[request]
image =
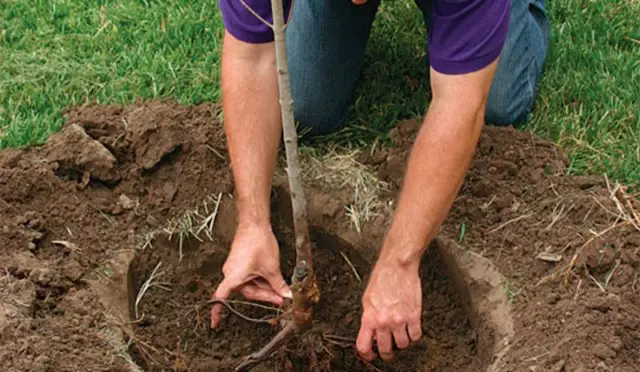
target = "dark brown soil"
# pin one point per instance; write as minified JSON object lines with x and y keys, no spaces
{"x":519,"y":209}
{"x":176,"y":321}
{"x":69,"y":209}
{"x":111,"y":175}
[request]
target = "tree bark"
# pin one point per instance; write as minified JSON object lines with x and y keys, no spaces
{"x":298,"y":200}
{"x":304,"y":287}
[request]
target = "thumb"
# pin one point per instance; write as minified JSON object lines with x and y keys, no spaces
{"x":222,"y":293}
{"x":279,"y":285}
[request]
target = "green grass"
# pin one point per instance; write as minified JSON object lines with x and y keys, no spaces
{"x":55,"y":54}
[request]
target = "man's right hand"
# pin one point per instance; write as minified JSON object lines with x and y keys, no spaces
{"x":252,"y":269}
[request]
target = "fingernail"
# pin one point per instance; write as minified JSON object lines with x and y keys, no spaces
{"x":288,"y":294}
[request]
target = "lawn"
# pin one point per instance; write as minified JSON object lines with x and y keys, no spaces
{"x":54,"y":54}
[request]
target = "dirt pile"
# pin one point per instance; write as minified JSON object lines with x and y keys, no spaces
{"x":119,"y":179}
{"x":70,"y":206}
{"x":569,"y":247}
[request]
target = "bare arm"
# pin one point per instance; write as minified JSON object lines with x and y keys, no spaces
{"x":439,"y":160}
{"x":252,"y":123}
{"x":253,"y":128}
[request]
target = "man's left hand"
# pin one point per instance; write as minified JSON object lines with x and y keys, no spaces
{"x":392,"y":310}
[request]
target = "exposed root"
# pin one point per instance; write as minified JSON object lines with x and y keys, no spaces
{"x":247,"y":303}
{"x":251,"y":360}
{"x":272,"y":321}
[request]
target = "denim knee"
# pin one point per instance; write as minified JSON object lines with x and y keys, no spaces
{"x":506,"y":107}
{"x":317,"y":116}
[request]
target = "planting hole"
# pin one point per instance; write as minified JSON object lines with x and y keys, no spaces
{"x":171,"y":324}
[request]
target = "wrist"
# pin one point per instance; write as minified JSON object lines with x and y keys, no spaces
{"x":400,"y":255}
{"x":402,"y":249}
{"x":252,"y":217}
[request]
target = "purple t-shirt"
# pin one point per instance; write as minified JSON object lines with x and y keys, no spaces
{"x":466,"y":35}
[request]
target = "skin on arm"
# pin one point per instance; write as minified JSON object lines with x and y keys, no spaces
{"x":436,"y":169}
{"x":251,"y":122}
{"x":253,"y":128}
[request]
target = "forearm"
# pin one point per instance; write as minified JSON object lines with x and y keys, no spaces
{"x":435,"y":171}
{"x":252,"y":124}
{"x":437,"y":165}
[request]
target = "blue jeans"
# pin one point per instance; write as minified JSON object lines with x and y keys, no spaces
{"x":326,"y":41}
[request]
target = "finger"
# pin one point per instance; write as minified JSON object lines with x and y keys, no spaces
{"x":222,"y":293}
{"x":384,"y":344}
{"x":252,"y":292}
{"x":278,"y":284}
{"x":365,"y":342}
{"x":415,"y":330}
{"x":401,"y":337}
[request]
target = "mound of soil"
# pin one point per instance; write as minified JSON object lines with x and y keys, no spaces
{"x":568,"y":245}
{"x":71,"y":209}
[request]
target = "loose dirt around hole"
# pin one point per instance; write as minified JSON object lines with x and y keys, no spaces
{"x":73,"y":210}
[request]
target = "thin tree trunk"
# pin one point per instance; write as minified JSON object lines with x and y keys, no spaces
{"x":298,"y":200}
{"x":304,"y":287}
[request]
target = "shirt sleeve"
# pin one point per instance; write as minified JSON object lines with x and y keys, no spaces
{"x":467,"y":35}
{"x":244,"y":25}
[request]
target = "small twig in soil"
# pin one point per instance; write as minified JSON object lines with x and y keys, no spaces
{"x":148,"y":284}
{"x":606,"y":283}
{"x":510,"y":222}
{"x":567,"y":270}
{"x":66,"y":244}
{"x":367,"y":363}
{"x":264,"y":353}
{"x":579,"y":251}
{"x":635,"y":280}
{"x":141,"y":347}
{"x":247,"y":318}
{"x":355,"y":272}
{"x":596,"y":281}
{"x":216,"y":152}
{"x":559,"y":215}
{"x":488,"y":204}
{"x":575,"y":297}
{"x":148,"y":240}
{"x":636,"y":217}
{"x":209,"y":221}
{"x":537,"y":357}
